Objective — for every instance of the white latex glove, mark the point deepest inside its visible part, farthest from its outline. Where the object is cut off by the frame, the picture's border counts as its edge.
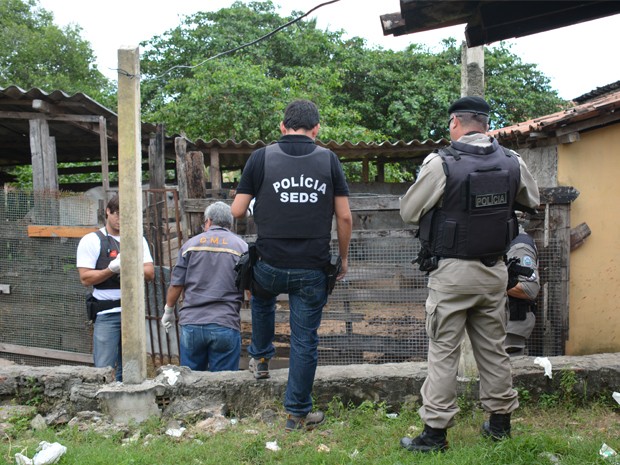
(168, 317)
(115, 265)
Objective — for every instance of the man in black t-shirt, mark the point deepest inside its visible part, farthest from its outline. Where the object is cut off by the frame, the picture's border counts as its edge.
(298, 187)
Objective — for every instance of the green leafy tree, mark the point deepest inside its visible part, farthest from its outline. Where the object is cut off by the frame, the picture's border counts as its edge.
(364, 94)
(37, 53)
(517, 91)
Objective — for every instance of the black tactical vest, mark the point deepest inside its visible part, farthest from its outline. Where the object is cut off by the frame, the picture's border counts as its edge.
(296, 198)
(476, 218)
(524, 238)
(110, 248)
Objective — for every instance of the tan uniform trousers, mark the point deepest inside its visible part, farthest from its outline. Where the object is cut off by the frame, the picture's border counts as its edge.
(447, 317)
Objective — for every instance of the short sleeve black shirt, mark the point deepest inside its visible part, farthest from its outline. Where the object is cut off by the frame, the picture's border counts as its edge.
(291, 253)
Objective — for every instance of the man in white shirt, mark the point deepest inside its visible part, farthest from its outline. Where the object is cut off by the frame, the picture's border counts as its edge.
(99, 266)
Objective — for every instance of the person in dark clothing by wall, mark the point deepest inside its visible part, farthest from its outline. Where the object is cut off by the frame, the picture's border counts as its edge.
(298, 188)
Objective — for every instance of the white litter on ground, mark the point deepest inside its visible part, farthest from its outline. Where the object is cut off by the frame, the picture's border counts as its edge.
(175, 432)
(272, 446)
(607, 451)
(546, 364)
(47, 454)
(171, 376)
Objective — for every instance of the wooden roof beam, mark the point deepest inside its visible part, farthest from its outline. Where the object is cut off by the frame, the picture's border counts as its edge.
(89, 123)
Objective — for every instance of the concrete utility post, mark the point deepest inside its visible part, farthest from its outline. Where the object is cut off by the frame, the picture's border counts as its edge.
(472, 83)
(130, 194)
(472, 71)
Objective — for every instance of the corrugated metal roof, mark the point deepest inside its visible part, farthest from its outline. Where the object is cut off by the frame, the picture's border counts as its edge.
(347, 150)
(73, 122)
(594, 113)
(19, 99)
(79, 141)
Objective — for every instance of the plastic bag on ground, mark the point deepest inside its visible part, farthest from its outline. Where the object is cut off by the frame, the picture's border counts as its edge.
(546, 364)
(47, 454)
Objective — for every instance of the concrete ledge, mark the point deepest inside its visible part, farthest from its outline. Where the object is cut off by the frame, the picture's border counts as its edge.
(395, 384)
(76, 388)
(136, 402)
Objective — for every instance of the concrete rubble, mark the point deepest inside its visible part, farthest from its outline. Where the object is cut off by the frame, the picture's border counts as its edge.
(77, 394)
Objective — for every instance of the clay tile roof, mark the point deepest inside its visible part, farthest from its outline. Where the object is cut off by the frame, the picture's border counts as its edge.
(594, 113)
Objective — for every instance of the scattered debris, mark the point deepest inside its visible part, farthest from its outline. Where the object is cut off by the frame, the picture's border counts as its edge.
(413, 429)
(272, 446)
(171, 376)
(132, 439)
(213, 425)
(323, 448)
(607, 452)
(616, 396)
(268, 416)
(551, 457)
(175, 429)
(175, 433)
(546, 364)
(38, 423)
(47, 454)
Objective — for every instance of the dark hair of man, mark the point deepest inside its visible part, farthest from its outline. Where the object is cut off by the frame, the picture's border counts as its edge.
(474, 120)
(113, 204)
(301, 114)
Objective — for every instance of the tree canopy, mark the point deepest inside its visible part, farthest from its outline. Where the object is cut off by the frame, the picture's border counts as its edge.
(364, 94)
(37, 53)
(201, 79)
(192, 85)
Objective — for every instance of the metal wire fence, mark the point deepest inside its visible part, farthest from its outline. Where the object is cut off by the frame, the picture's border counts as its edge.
(376, 315)
(42, 306)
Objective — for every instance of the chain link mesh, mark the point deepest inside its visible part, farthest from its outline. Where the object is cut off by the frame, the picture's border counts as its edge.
(376, 315)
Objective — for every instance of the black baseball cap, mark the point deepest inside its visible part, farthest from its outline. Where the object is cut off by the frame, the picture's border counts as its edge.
(474, 104)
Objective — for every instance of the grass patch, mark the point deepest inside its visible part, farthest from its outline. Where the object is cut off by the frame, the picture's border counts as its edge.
(564, 433)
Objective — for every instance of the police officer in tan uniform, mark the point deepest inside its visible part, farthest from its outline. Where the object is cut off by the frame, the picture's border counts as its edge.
(463, 202)
(521, 317)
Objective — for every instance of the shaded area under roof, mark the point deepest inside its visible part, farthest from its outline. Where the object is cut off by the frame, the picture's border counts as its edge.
(73, 122)
(493, 20)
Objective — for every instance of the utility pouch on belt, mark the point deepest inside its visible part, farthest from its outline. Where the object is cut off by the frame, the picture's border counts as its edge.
(94, 306)
(519, 308)
(333, 270)
(243, 268)
(427, 261)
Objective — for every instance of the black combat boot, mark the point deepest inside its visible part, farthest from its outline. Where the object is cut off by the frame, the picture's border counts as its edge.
(430, 440)
(497, 427)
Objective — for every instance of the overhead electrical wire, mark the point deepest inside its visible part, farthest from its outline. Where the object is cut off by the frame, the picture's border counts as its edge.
(236, 49)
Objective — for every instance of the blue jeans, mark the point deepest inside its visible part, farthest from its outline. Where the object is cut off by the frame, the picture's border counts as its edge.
(107, 345)
(307, 290)
(210, 347)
